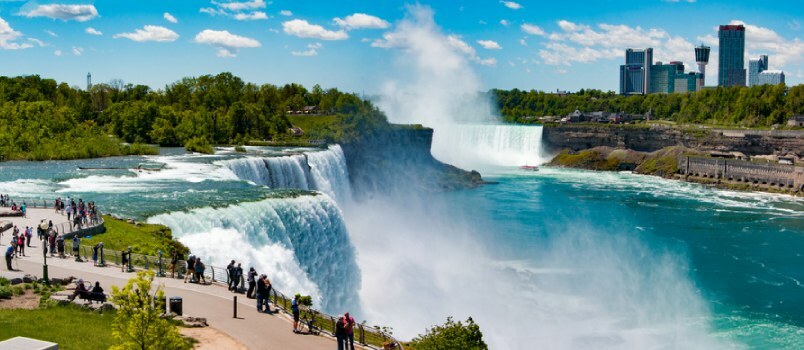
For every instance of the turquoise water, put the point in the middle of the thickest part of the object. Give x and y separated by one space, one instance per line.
558 258
742 252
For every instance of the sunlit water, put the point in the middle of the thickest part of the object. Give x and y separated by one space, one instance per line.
557 258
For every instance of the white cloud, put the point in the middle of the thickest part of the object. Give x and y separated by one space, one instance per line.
504 22
286 13
77 51
532 29
51 33
80 13
457 43
511 5
489 44
38 42
361 21
312 50
92 31
227 43
7 37
303 29
212 11
150 33
256 15
523 42
168 17
57 53
583 43
240 6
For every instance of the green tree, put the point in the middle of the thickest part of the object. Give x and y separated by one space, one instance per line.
451 335
138 325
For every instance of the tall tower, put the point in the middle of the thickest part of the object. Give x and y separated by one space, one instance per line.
702 58
89 81
731 55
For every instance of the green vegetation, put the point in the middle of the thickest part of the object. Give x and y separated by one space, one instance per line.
757 106
42 119
240 149
137 323
54 323
587 159
663 162
146 239
200 145
451 335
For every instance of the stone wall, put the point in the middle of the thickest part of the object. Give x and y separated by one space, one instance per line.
774 175
649 139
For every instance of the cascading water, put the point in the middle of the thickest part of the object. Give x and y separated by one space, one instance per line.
323 171
300 242
483 146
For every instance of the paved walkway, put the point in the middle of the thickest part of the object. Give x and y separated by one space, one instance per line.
254 330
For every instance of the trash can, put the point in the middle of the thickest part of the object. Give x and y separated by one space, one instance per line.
175 305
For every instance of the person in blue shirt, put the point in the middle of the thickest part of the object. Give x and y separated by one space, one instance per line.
294 306
9 255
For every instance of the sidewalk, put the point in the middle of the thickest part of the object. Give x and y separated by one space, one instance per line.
215 303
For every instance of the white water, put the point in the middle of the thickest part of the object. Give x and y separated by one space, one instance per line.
482 146
323 171
301 243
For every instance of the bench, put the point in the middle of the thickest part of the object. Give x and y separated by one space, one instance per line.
90 297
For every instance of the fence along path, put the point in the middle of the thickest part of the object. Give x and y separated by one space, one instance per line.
372 337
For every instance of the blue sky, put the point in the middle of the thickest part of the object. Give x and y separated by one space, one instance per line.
544 45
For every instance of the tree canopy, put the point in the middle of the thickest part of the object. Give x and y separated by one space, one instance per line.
451 335
757 106
43 119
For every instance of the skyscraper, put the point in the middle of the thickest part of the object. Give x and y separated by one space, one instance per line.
755 67
731 64
702 58
635 73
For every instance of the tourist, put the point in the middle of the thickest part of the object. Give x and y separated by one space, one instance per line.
60 245
124 256
268 288
52 240
294 307
230 274
340 332
252 274
349 327
28 235
80 288
69 213
190 271
237 275
13 246
24 209
97 288
21 244
261 293
9 256
95 254
199 271
76 242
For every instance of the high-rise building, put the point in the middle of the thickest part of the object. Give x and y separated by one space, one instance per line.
731 64
635 74
702 58
770 77
89 81
670 78
755 67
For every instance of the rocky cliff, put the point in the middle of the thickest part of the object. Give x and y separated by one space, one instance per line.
399 159
649 139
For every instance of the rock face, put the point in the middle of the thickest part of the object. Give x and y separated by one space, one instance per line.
399 159
649 139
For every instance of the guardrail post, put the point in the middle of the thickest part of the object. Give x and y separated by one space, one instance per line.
212 268
362 338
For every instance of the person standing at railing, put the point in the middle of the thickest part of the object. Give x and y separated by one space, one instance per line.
9 256
24 209
95 254
190 268
340 333
237 274
349 327
69 213
262 293
294 307
60 245
76 243
230 274
252 283
51 239
199 271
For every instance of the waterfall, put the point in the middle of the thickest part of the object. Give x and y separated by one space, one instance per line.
323 171
301 243
479 146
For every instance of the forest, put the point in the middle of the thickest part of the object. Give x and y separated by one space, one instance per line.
41 119
757 106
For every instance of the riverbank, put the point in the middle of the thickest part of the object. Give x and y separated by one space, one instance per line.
674 163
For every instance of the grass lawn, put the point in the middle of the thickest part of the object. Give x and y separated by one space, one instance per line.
144 239
70 326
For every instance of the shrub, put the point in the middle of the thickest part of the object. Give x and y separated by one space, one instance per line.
5 292
17 290
200 145
240 149
4 281
451 335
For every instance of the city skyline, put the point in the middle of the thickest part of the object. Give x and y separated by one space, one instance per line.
523 44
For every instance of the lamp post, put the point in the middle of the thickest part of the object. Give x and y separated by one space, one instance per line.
44 267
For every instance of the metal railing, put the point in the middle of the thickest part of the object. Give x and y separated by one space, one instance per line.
372 337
